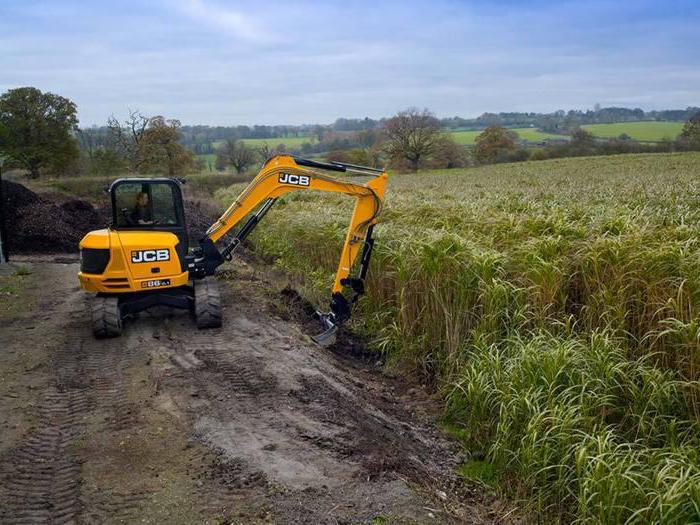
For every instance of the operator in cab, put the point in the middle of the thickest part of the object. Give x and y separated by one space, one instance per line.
141 214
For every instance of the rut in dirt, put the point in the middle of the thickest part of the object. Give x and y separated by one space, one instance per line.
40 480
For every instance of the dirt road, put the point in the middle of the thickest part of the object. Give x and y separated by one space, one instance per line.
251 423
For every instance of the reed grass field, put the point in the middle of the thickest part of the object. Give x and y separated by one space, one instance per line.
555 308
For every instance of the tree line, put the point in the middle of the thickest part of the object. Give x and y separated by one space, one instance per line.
39 133
201 138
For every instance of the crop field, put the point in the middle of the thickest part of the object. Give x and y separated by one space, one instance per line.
651 131
530 134
290 142
554 305
208 158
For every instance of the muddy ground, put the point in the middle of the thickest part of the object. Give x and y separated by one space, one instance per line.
250 423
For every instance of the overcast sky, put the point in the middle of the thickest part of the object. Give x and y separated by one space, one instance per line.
284 62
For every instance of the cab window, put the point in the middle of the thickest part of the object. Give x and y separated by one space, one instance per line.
144 205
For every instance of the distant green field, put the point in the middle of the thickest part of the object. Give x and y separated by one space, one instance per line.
290 142
529 134
208 157
653 131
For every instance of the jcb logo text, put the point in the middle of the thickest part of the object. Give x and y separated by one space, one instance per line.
297 180
147 256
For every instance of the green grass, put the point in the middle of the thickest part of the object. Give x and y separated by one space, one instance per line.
530 134
554 305
290 142
482 471
651 131
208 158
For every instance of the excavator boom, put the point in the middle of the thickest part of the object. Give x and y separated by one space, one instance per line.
285 174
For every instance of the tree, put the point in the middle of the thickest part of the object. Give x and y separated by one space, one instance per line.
160 149
127 137
449 154
107 162
690 135
411 136
35 130
581 137
318 132
265 152
493 144
235 153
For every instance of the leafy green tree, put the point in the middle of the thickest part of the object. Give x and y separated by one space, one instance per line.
35 130
107 162
493 144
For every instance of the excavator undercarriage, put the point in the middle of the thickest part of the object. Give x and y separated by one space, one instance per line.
144 259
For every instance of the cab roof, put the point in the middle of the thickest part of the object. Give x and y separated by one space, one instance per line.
145 180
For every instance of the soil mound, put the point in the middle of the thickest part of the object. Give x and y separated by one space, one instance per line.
15 196
82 215
37 225
200 216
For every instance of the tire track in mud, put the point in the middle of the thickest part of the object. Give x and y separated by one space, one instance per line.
41 478
41 481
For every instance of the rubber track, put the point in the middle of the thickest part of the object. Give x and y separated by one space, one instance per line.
207 303
105 317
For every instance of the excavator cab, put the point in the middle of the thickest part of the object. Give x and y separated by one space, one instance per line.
143 259
149 204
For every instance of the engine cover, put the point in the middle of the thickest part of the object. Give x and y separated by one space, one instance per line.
138 261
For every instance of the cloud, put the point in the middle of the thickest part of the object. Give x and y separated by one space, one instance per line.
229 62
232 22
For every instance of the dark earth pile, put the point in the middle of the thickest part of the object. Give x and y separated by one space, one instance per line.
34 224
200 216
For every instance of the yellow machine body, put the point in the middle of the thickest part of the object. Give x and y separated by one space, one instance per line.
158 265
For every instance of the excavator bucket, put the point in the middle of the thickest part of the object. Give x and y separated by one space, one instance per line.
328 336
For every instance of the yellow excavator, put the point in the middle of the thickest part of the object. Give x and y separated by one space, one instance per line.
144 259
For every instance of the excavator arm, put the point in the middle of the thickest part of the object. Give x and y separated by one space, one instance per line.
283 174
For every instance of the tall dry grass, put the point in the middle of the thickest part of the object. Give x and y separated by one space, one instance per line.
555 306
